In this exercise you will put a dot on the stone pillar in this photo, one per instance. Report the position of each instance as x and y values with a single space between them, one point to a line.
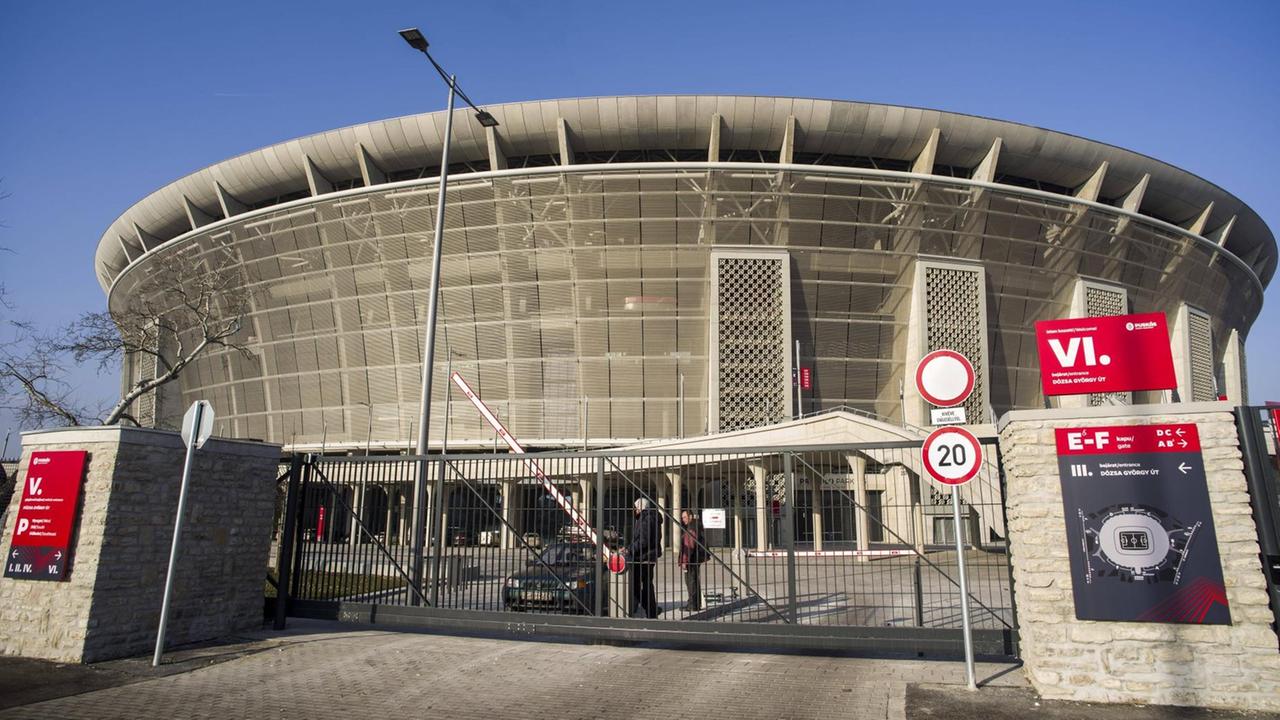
862 518
109 604
1222 666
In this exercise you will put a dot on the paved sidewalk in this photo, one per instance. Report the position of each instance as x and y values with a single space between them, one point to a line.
326 670
320 670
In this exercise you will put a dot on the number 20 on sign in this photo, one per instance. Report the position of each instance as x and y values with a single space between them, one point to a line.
951 455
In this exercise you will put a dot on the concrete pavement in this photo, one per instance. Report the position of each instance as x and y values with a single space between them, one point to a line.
327 670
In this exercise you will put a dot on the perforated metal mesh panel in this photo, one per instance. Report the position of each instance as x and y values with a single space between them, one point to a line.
751 333
953 321
1200 349
1101 302
145 405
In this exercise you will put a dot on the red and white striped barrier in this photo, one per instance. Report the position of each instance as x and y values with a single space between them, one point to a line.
615 562
831 553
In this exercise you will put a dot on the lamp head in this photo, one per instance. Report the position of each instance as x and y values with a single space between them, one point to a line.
485 119
414 37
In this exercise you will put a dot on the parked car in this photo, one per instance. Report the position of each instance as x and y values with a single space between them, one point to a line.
459 537
562 580
533 540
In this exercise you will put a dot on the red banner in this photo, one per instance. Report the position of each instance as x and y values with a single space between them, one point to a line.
1181 437
46 516
1105 354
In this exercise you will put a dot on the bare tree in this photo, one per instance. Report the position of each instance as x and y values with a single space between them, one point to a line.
184 307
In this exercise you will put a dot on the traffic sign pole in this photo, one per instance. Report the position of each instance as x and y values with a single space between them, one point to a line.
198 408
964 591
953 456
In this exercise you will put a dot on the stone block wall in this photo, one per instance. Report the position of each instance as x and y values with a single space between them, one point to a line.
1236 666
109 606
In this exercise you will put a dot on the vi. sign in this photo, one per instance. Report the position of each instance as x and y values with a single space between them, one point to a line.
1120 353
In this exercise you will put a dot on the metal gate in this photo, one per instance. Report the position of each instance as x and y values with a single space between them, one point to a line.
835 547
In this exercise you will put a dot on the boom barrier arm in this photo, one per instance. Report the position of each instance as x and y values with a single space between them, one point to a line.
565 504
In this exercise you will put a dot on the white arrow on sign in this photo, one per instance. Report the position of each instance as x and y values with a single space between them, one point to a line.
204 411
1184 468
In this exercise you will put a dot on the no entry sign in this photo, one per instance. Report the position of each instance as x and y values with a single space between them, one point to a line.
46 515
944 378
951 455
1120 353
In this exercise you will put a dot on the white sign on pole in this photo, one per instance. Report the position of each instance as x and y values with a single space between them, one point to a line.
947 416
713 518
944 378
204 416
197 426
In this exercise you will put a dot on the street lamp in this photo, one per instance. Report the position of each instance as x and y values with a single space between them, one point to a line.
417 41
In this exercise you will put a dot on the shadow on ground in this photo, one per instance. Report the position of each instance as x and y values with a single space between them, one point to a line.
1007 703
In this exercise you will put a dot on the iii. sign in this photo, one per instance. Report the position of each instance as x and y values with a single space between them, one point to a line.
1120 353
1139 526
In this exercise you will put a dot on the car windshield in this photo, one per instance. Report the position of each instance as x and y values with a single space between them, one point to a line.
566 554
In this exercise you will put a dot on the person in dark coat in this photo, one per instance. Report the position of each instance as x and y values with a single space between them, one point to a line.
693 553
642 554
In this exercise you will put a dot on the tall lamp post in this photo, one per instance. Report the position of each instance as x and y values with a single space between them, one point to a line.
418 42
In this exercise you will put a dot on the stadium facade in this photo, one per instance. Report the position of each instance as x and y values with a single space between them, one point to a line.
625 269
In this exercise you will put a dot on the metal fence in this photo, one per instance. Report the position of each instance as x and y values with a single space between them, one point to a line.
830 537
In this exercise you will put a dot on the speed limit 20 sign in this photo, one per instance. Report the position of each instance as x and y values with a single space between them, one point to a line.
951 455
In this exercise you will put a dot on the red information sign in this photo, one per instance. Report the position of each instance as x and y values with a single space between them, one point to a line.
1181 437
806 378
1105 354
46 516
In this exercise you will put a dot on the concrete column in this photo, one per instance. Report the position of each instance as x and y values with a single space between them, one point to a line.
919 531
661 488
817 512
862 522
388 531
760 473
677 504
508 497
357 514
736 487
585 492
444 515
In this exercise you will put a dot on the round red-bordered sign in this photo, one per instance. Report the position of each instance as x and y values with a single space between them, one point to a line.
944 378
951 455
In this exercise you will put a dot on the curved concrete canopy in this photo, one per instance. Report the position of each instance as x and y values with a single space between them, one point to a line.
562 131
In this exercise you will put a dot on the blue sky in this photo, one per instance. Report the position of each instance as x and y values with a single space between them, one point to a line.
104 102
